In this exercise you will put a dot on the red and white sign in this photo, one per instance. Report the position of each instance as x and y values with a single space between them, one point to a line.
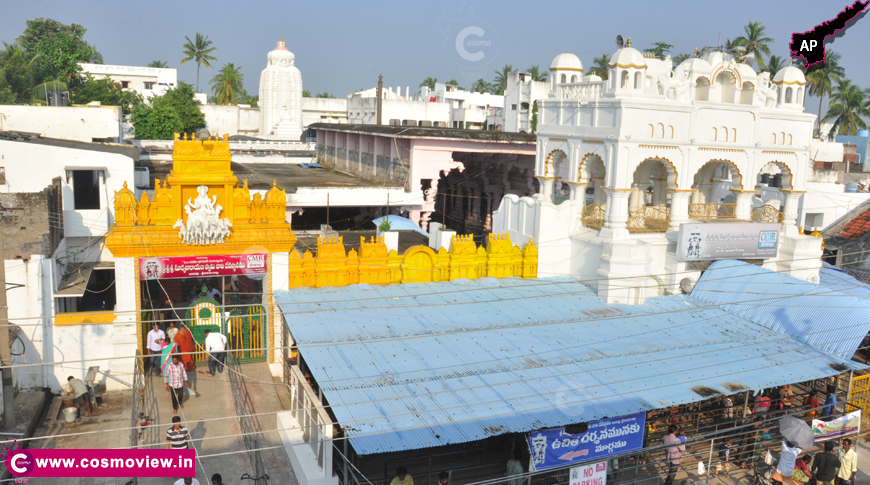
594 474
196 266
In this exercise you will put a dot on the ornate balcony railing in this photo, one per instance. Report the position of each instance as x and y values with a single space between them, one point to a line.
767 214
593 216
649 219
712 211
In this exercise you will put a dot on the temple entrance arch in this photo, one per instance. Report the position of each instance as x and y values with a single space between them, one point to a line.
775 189
712 197
556 171
418 265
649 204
592 172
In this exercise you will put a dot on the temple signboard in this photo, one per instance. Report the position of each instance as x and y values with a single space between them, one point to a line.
197 266
742 240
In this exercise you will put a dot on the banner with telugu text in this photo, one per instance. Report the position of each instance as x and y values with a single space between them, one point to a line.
198 266
554 447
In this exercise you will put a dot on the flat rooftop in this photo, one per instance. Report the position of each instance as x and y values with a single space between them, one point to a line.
427 132
289 176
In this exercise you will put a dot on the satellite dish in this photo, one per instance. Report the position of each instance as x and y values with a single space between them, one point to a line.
620 42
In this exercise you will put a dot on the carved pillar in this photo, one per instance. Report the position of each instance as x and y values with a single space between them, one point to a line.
637 202
546 184
679 209
743 207
790 208
617 208
660 197
578 192
599 197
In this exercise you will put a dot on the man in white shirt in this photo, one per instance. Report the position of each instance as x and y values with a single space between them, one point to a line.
214 292
848 464
154 342
215 346
79 391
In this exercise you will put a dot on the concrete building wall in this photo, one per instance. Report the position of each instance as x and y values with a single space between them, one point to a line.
233 120
81 123
147 81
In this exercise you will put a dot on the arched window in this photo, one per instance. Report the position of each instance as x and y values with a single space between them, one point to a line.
650 133
524 105
733 135
782 138
788 95
715 134
574 78
638 79
790 140
774 138
624 80
702 89
661 130
800 96
672 131
724 134
564 79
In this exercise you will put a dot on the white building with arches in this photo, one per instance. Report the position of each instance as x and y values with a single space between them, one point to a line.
624 161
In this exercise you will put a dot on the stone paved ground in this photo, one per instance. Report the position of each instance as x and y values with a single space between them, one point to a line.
210 397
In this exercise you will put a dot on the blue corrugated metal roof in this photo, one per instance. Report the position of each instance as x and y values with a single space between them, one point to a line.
820 316
839 280
399 223
419 365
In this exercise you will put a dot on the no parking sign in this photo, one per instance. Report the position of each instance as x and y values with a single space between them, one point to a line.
593 474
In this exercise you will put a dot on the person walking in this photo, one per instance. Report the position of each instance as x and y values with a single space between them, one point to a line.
675 452
830 403
176 380
79 391
155 346
177 437
724 455
171 331
215 346
825 465
848 464
515 468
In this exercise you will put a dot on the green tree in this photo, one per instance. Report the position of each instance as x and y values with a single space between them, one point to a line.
182 101
537 74
659 49
481 86
199 50
773 65
600 66
158 64
453 82
821 78
156 122
86 89
680 58
306 93
60 48
17 69
849 106
325 95
755 40
429 82
227 83
533 123
501 77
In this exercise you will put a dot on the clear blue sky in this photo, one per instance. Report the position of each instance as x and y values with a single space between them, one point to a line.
342 46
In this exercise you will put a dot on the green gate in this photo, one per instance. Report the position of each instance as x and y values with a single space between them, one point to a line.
245 330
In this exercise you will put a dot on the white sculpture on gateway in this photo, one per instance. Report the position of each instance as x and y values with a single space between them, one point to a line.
281 96
204 225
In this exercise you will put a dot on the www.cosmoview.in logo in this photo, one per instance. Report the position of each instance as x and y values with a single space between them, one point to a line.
20 464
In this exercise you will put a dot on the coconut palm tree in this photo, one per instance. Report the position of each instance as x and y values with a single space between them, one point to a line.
158 64
600 66
537 74
429 82
848 108
227 84
325 94
821 77
481 86
755 40
500 81
199 50
773 65
307 94
680 58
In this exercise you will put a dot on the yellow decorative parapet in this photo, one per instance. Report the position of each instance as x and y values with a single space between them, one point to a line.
81 318
419 264
152 226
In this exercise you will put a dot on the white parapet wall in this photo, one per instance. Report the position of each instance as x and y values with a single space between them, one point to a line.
80 123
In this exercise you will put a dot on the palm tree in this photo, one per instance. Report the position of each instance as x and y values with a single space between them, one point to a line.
822 76
325 95
849 105
600 66
773 65
500 82
537 74
200 51
307 94
158 64
755 40
227 84
481 86
429 82
94 57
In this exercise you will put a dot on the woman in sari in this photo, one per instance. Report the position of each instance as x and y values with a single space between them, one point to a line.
184 341
169 348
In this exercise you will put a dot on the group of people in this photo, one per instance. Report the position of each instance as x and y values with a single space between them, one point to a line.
827 467
515 471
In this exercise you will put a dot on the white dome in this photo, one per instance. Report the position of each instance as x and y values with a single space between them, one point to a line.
627 57
592 78
697 66
790 75
566 62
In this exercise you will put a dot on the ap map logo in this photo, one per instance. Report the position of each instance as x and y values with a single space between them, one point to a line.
471 41
19 462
